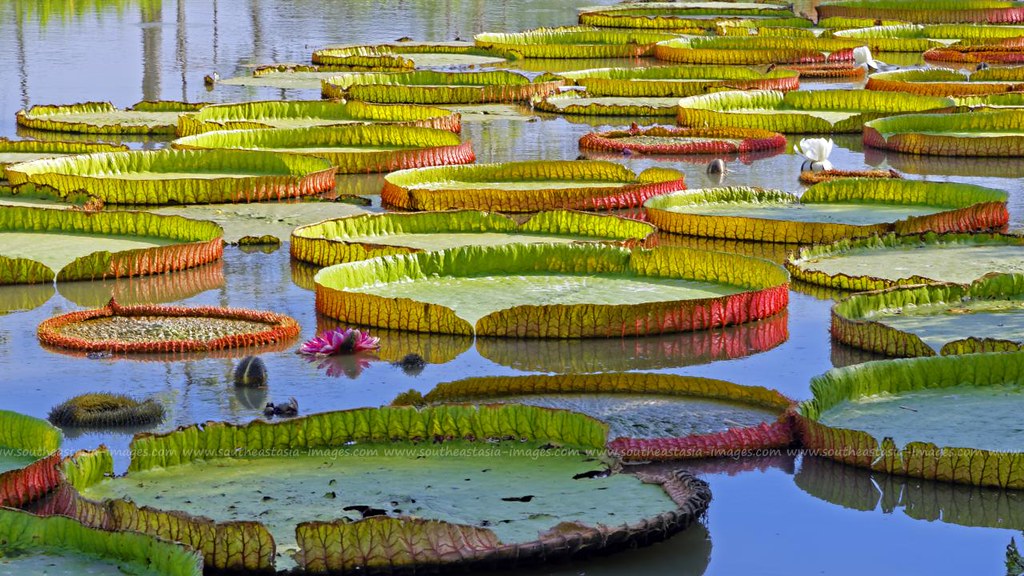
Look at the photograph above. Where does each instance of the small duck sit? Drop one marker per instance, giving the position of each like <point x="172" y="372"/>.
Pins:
<point x="288" y="409"/>
<point x="211" y="79"/>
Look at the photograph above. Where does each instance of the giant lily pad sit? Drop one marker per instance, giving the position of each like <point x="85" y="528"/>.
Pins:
<point x="56" y="545"/>
<point x="29" y="458"/>
<point x="572" y="42"/>
<point x="105" y="118"/>
<point x="407" y="55"/>
<point x="351" y="148"/>
<point x="843" y="208"/>
<point x="180" y="176"/>
<point x="916" y="38"/>
<point x="950" y="418"/>
<point x="650" y="416"/>
<point x="575" y="102"/>
<point x="983" y="133"/>
<point x="528" y="186"/>
<point x="690" y="17"/>
<point x="577" y="356"/>
<point x="151" y="328"/>
<point x="678" y="81"/>
<point x="1008" y="51"/>
<point x="431" y="87"/>
<point x="875" y="263"/>
<point x="943" y="82"/>
<point x="304" y="113"/>
<point x="660" y="140"/>
<point x="819" y="111"/>
<point x="15" y="151"/>
<point x="553" y="291"/>
<point x="286" y="77"/>
<point x="747" y="50"/>
<point x="935" y="11"/>
<point x="368" y="236"/>
<point x="38" y="244"/>
<point x="987" y="315"/>
<point x="444" y="503"/>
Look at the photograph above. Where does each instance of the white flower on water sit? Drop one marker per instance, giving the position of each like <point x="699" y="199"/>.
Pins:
<point x="817" y="151"/>
<point x="862" y="57"/>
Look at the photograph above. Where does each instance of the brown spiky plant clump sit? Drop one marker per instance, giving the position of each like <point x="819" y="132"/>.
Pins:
<point x="102" y="410"/>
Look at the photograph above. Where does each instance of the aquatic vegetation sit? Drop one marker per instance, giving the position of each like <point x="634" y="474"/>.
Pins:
<point x="180" y="176"/>
<point x="827" y="70"/>
<point x="406" y="55"/>
<point x="16" y="151"/>
<point x="810" y="177"/>
<point x="360" y="531"/>
<point x="747" y="50"/>
<point x="983" y="133"/>
<point x="30" y="542"/>
<point x="891" y="260"/>
<point x="935" y="11"/>
<point x="553" y="291"/>
<point x="433" y="87"/>
<point x="944" y="82"/>
<point x="678" y="81"/>
<point x="1006" y="51"/>
<point x="572" y="42"/>
<point x="949" y="418"/>
<point x="352" y="149"/>
<point x="102" y="410"/>
<point x="339" y="341"/>
<point x="829" y="211"/>
<point x="150" y="328"/>
<point x="105" y="118"/>
<point x="371" y="235"/>
<point x="658" y="140"/>
<point x="934" y="319"/>
<point x="817" y="151"/>
<point x="40" y="245"/>
<point x="304" y="113"/>
<point x="651" y="416"/>
<point x="251" y="371"/>
<point x="691" y="18"/>
<point x="30" y="458"/>
<point x="815" y="112"/>
<point x="528" y="186"/>
<point x="575" y="102"/>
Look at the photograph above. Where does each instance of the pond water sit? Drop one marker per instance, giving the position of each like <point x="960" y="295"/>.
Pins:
<point x="780" y="515"/>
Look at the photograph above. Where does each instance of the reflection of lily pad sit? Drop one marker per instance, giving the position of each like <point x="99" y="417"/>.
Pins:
<point x="988" y="133"/>
<point x="432" y="87"/>
<point x="351" y="148"/>
<point x="15" y="151"/>
<point x="21" y="297"/>
<point x="553" y="291"/>
<point x="304" y="113"/>
<point x="679" y="81"/>
<point x="829" y="211"/>
<point x="38" y="244"/>
<point x="104" y="118"/>
<point x="650" y="416"/>
<point x="950" y="418"/>
<point x="874" y="263"/>
<point x="938" y="318"/>
<point x="572" y="42"/>
<point x="180" y="176"/>
<point x="748" y="50"/>
<point x="306" y="503"/>
<point x="368" y="236"/>
<point x="153" y="289"/>
<point x="528" y="186"/>
<point x="817" y="111"/>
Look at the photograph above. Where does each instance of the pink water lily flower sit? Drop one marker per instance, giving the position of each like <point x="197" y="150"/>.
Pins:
<point x="340" y="341"/>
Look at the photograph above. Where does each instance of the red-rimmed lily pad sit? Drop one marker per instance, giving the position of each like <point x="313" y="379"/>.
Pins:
<point x="29" y="458"/>
<point x="304" y="113"/>
<point x="984" y="316"/>
<point x="433" y="87"/>
<point x="572" y="42"/>
<point x="935" y="11"/>
<point x="528" y="186"/>
<point x="1007" y="51"/>
<point x="553" y="291"/>
<point x="582" y="103"/>
<point x="371" y="235"/>
<point x="844" y="208"/>
<point x="948" y="418"/>
<point x="352" y="149"/>
<point x="105" y="118"/>
<point x="945" y="82"/>
<point x="650" y="416"/>
<point x="152" y="328"/>
<point x="659" y="140"/>
<point x="288" y="495"/>
<point x="678" y="81"/>
<point x="16" y="151"/>
<point x="180" y="176"/>
<point x="984" y="133"/>
<point x="749" y="50"/>
<point x="918" y="38"/>
<point x="691" y="17"/>
<point x="40" y="245"/>
<point x="875" y="263"/>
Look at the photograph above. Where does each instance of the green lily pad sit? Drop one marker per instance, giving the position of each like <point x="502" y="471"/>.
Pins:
<point x="298" y="77"/>
<point x="946" y="82"/>
<point x="986" y="133"/>
<point x="751" y="50"/>
<point x="105" y="118"/>
<point x="678" y="81"/>
<point x="369" y="236"/>
<point x="408" y="55"/>
<point x="434" y="87"/>
<point x="828" y="211"/>
<point x="550" y="290"/>
<point x="572" y="42"/>
<point x="875" y="263"/>
<point x="16" y="151"/>
<point x="690" y="17"/>
<point x="581" y="103"/>
<point x="909" y="37"/>
<point x="935" y="11"/>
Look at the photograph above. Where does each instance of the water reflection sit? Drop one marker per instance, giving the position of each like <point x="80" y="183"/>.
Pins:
<point x="944" y="165"/>
<point x="155" y="289"/>
<point x="19" y="297"/>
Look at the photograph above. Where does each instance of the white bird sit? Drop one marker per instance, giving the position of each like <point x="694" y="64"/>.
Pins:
<point x="817" y="151"/>
<point x="862" y="57"/>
